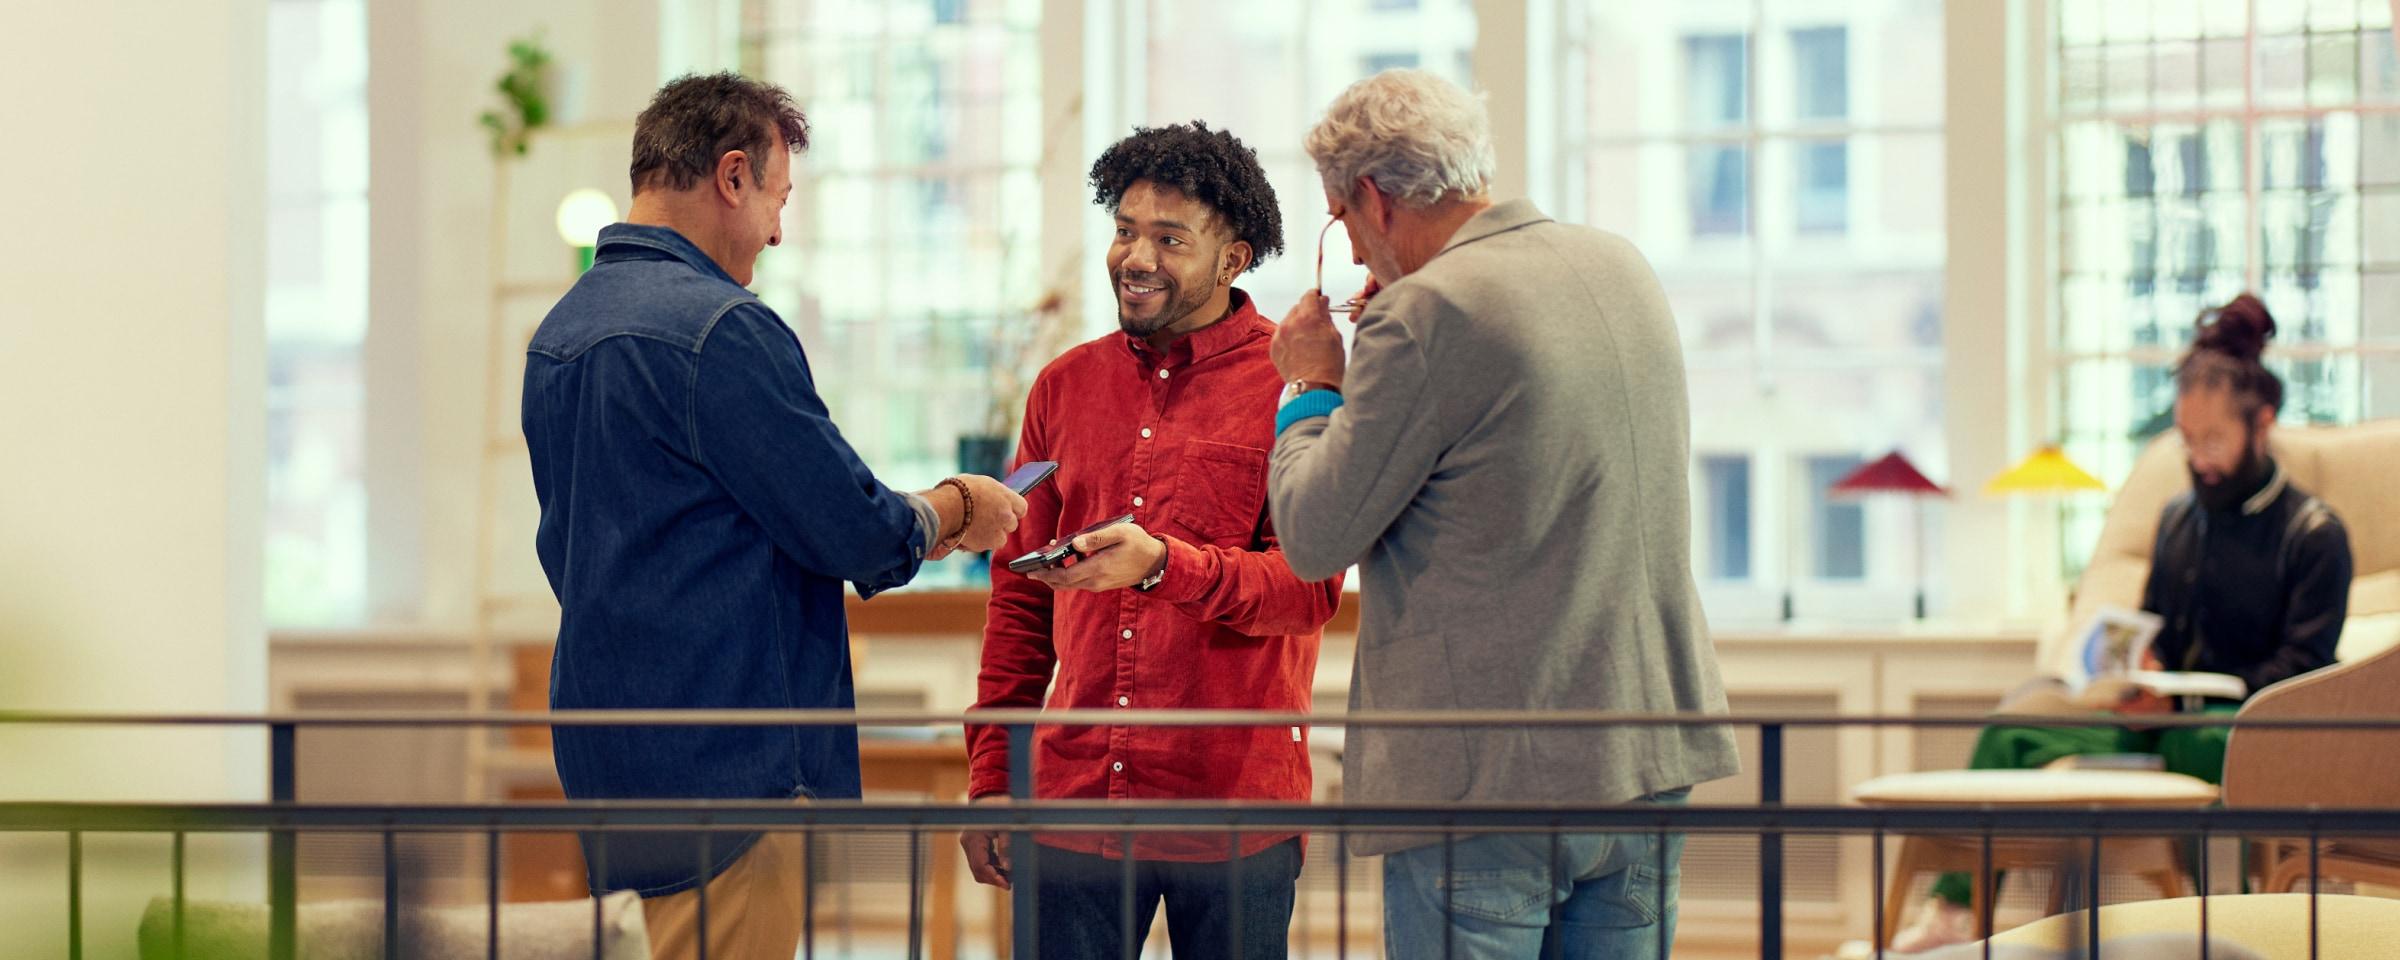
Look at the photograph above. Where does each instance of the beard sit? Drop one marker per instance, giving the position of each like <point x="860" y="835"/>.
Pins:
<point x="1173" y="308"/>
<point x="2228" y="492"/>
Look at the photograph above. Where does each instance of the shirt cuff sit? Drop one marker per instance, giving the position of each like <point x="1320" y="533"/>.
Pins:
<point x="1315" y="403"/>
<point x="1185" y="570"/>
<point x="929" y="525"/>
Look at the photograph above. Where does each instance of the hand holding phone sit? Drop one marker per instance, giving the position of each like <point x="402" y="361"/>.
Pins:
<point x="1058" y="554"/>
<point x="1023" y="479"/>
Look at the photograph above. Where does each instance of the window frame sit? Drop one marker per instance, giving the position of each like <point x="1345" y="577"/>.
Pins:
<point x="2060" y="361"/>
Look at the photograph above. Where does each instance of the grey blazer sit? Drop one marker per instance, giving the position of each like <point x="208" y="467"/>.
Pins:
<point x="1510" y="470"/>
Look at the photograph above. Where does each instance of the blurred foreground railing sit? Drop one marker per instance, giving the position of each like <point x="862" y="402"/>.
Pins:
<point x="283" y="820"/>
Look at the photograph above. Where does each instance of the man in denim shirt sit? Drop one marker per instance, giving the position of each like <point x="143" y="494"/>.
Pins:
<point x="700" y="513"/>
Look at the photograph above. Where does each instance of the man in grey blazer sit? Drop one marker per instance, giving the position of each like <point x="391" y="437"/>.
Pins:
<point x="1505" y="455"/>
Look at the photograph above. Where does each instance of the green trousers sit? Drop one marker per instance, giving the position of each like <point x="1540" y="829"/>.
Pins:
<point x="2197" y="751"/>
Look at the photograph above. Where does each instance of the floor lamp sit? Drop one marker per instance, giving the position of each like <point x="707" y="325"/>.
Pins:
<point x="1895" y="475"/>
<point x="2046" y="472"/>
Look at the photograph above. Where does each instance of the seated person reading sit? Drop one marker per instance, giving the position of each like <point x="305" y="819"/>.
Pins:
<point x="2250" y="576"/>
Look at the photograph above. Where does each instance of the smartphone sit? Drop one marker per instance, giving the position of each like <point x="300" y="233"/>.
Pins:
<point x="1057" y="554"/>
<point x="1032" y="474"/>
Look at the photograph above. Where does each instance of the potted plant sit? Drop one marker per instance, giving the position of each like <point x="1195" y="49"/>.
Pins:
<point x="525" y="88"/>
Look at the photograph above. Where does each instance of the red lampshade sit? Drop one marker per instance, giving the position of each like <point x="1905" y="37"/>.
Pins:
<point x="1892" y="474"/>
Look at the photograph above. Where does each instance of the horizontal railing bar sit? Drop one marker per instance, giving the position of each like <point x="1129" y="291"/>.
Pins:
<point x="1145" y="718"/>
<point x="1172" y="816"/>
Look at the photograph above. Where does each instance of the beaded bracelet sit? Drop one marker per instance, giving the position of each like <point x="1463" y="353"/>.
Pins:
<point x="966" y="516"/>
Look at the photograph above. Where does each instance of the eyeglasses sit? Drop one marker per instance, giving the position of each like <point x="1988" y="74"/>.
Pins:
<point x="1355" y="304"/>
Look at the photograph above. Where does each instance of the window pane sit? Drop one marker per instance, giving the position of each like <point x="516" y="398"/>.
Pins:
<point x="1838" y="544"/>
<point x="1821" y="73"/>
<point x="2156" y="217"/>
<point x="316" y="313"/>
<point x="2114" y="406"/>
<point x="1718" y="185"/>
<point x="1726" y="480"/>
<point x="1716" y="81"/>
<point x="927" y="117"/>
<point x="1634" y="47"/>
<point x="1822" y="195"/>
<point x="1800" y="239"/>
<point x="1892" y="318"/>
<point x="1295" y="58"/>
<point x="2381" y="379"/>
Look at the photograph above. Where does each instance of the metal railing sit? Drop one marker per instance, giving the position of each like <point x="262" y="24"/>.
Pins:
<point x="283" y="820"/>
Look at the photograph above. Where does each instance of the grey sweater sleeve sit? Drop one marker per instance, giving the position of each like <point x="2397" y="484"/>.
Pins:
<point x="1335" y="483"/>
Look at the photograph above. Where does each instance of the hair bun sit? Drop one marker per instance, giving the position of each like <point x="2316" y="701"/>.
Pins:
<point x="2239" y="329"/>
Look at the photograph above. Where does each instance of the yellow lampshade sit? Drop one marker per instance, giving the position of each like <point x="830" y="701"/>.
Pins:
<point x="2047" y="470"/>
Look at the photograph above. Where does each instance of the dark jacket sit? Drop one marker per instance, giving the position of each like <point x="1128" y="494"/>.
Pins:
<point x="700" y="513"/>
<point x="2258" y="591"/>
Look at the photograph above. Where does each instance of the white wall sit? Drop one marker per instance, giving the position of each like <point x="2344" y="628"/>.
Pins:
<point x="131" y="442"/>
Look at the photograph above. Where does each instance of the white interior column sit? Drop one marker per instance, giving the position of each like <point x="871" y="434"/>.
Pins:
<point x="132" y="367"/>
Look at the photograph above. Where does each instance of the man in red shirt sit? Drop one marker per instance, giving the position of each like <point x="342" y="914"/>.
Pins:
<point x="1191" y="606"/>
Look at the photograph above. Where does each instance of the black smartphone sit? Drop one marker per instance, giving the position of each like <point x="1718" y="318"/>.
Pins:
<point x="1056" y="554"/>
<point x="1024" y="479"/>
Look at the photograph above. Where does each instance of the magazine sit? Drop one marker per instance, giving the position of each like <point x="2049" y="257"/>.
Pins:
<point x="2107" y="670"/>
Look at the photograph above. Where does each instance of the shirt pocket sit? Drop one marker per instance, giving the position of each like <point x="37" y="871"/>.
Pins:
<point x="1221" y="493"/>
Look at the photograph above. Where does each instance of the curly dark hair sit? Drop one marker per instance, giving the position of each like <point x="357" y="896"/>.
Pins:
<point x="1210" y="166"/>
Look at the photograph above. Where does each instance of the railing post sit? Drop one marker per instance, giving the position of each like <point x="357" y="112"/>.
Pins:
<point x="283" y="852"/>
<point x="1770" y="843"/>
<point x="1024" y="865"/>
<point x="75" y="895"/>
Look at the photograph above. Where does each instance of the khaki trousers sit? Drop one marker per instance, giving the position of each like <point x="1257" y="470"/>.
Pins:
<point x="754" y="907"/>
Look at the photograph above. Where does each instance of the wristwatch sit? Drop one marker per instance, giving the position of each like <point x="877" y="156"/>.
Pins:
<point x="1293" y="390"/>
<point x="1150" y="582"/>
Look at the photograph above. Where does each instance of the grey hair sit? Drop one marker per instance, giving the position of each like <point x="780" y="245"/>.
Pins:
<point x="1419" y="137"/>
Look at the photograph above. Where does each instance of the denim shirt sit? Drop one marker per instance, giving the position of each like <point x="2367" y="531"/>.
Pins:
<point x="699" y="515"/>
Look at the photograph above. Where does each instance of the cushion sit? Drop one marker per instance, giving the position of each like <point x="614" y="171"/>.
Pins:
<point x="2368" y="635"/>
<point x="2067" y="787"/>
<point x="2269" y="925"/>
<point x="2139" y="946"/>
<point x="353" y="930"/>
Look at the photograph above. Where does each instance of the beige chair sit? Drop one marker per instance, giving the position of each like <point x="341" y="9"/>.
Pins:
<point x="2337" y="769"/>
<point x="2156" y="859"/>
<point x="2272" y="926"/>
<point x="2354" y="469"/>
<point x="353" y="930"/>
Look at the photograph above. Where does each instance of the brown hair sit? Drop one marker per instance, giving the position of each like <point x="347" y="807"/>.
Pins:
<point x="698" y="118"/>
<point x="2225" y="353"/>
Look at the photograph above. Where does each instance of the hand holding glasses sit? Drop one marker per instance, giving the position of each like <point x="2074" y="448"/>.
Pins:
<point x="1354" y="305"/>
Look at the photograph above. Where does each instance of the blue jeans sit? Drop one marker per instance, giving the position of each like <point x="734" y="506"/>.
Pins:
<point x="1082" y="905"/>
<point x="1606" y="896"/>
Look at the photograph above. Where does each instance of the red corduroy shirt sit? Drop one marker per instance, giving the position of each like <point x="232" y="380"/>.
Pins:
<point x="1180" y="441"/>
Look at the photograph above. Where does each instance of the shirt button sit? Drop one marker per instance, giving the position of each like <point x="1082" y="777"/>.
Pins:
<point x="1124" y="701"/>
<point x="1145" y="433"/>
<point x="1127" y="634"/>
<point x="1162" y="374"/>
<point x="1137" y="501"/>
<point x="1118" y="767"/>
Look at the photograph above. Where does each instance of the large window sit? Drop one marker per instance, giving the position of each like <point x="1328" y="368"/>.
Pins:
<point x="1265" y="70"/>
<point x="316" y="312"/>
<point x="912" y="241"/>
<point x="1780" y="162"/>
<point x="2205" y="149"/>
